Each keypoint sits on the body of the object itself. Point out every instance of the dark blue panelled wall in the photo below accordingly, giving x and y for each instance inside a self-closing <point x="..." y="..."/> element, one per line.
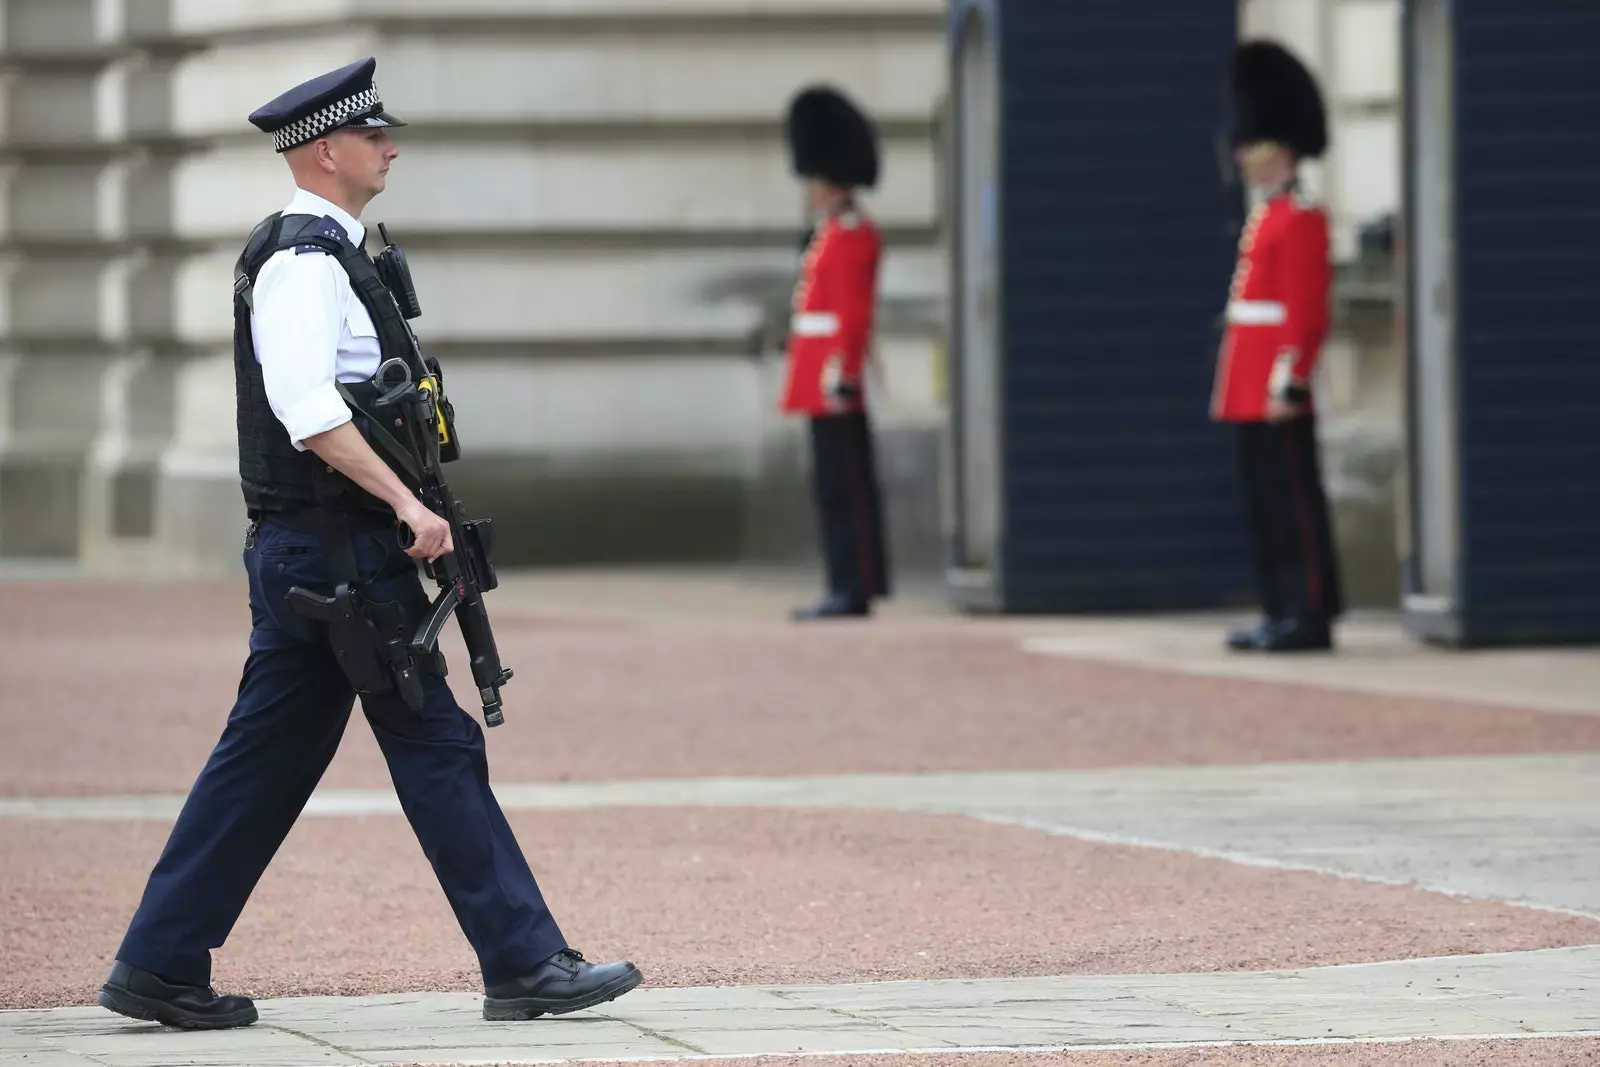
<point x="1527" y="159"/>
<point x="1117" y="242"/>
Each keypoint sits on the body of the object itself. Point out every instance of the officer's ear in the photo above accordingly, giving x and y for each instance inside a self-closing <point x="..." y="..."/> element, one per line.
<point x="321" y="152"/>
<point x="313" y="154"/>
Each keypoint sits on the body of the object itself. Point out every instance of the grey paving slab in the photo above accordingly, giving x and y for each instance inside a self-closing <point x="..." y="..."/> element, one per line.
<point x="757" y="1041"/>
<point x="24" y="1049"/>
<point x="1464" y="996"/>
<point x="35" y="1058"/>
<point x="1523" y="830"/>
<point x="17" y="1041"/>
<point x="1375" y="656"/>
<point x="445" y="1028"/>
<point x="1500" y="995"/>
<point x="1136" y="1016"/>
<point x="1518" y="829"/>
<point x="95" y="1036"/>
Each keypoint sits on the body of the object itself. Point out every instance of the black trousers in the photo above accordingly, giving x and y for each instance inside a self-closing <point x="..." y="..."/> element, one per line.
<point x="292" y="707"/>
<point x="1296" y="569"/>
<point x="844" y="480"/>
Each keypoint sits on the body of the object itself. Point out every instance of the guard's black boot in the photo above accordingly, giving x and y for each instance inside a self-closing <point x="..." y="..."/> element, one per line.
<point x="1299" y="635"/>
<point x="833" y="606"/>
<point x="1251" y="639"/>
<point x="564" y="982"/>
<point x="138" y="994"/>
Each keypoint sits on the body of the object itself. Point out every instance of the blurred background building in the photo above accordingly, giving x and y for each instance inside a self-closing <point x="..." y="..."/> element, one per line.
<point x="595" y="199"/>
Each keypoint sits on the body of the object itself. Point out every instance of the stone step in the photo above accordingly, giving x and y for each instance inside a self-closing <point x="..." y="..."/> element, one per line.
<point x="594" y="194"/>
<point x="210" y="17"/>
<point x="452" y="84"/>
<point x="50" y="108"/>
<point x="737" y="191"/>
<point x="654" y="405"/>
<point x="551" y="446"/>
<point x="517" y="298"/>
<point x="53" y="28"/>
<point x="627" y="296"/>
<point x="681" y="186"/>
<point x="60" y="201"/>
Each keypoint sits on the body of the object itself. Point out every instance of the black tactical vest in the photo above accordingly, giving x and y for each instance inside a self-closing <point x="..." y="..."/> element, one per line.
<point x="275" y="476"/>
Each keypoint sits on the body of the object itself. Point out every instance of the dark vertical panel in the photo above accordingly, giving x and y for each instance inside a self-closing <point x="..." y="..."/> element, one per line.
<point x="1118" y="242"/>
<point x="1528" y="180"/>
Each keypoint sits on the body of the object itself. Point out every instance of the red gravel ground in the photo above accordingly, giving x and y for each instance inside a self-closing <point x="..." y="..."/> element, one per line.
<point x="110" y="689"/>
<point x="713" y="897"/>
<point x="1528" y="1052"/>
<point x="97" y="699"/>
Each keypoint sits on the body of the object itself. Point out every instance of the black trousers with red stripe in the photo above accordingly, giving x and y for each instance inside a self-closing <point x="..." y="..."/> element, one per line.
<point x="844" y="481"/>
<point x="1296" y="568"/>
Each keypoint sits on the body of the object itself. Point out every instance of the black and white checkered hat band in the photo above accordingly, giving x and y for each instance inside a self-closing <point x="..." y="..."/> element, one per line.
<point x="331" y="117"/>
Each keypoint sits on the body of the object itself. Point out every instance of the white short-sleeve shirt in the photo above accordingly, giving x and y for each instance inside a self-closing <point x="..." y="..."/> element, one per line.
<point x="310" y="329"/>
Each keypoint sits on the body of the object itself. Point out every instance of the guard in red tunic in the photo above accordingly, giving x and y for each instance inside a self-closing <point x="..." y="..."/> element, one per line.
<point x="1277" y="316"/>
<point x="833" y="148"/>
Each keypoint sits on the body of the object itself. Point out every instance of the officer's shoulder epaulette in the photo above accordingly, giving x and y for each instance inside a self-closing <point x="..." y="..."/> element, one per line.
<point x="327" y="227"/>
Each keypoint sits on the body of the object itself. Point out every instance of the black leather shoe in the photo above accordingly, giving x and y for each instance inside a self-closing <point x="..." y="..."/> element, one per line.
<point x="1299" y="635"/>
<point x="564" y="982"/>
<point x="1252" y="638"/>
<point x="138" y="994"/>
<point x="833" y="606"/>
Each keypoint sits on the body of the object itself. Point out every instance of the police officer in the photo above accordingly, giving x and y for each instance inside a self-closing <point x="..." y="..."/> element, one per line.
<point x="322" y="504"/>
<point x="1277" y="317"/>
<point x="833" y="149"/>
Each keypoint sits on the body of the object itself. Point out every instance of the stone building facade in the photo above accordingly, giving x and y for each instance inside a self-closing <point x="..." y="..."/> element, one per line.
<point x="594" y="197"/>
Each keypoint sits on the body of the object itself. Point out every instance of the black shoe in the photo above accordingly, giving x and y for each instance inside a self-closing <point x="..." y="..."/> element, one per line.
<point x="138" y="994"/>
<point x="1297" y="635"/>
<point x="833" y="606"/>
<point x="564" y="982"/>
<point x="1251" y="639"/>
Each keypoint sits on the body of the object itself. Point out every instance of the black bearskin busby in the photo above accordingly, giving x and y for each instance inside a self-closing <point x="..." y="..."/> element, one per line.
<point x="1275" y="98"/>
<point x="830" y="138"/>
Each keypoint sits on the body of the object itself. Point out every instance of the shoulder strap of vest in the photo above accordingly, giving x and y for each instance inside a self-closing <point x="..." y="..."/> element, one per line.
<point x="373" y="292"/>
<point x="307" y="233"/>
<point x="278" y="232"/>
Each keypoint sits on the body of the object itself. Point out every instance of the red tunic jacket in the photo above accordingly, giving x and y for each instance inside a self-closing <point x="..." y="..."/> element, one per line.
<point x="831" y="329"/>
<point x="1278" y="308"/>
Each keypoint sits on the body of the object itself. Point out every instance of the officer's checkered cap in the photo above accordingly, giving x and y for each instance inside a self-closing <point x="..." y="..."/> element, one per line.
<point x="343" y="97"/>
<point x="331" y="117"/>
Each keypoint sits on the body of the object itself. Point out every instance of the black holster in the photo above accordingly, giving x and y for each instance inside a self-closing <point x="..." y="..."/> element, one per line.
<point x="371" y="639"/>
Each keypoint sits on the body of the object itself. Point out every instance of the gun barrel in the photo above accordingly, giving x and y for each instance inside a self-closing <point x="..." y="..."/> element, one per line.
<point x="487" y="672"/>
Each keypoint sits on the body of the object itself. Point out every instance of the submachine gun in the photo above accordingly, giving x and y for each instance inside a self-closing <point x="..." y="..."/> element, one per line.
<point x="413" y="429"/>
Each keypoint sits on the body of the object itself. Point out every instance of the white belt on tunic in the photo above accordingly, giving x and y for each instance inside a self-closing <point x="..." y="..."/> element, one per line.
<point x="814" y="324"/>
<point x="1257" y="313"/>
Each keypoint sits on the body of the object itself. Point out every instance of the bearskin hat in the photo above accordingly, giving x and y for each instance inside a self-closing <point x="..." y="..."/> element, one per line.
<point x="829" y="138"/>
<point x="1275" y="98"/>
